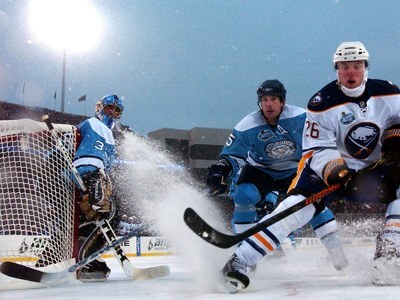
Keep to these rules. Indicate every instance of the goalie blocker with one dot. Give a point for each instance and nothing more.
(97, 198)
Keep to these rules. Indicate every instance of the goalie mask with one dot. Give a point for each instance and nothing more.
(109, 110)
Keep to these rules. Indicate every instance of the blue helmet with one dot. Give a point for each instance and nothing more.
(109, 110)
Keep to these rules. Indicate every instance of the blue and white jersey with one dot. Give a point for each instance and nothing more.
(123, 228)
(97, 147)
(276, 150)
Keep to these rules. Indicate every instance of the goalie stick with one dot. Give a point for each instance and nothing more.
(103, 224)
(222, 240)
(23, 272)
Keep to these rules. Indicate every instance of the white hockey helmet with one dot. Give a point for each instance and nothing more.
(351, 51)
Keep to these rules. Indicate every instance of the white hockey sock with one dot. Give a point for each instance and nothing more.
(391, 230)
(267, 240)
(239, 228)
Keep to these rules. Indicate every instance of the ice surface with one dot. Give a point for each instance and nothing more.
(301, 274)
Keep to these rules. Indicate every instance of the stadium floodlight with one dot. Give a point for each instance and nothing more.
(66, 25)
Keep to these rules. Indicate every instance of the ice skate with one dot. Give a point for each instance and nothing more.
(251, 271)
(278, 253)
(97, 270)
(386, 265)
(335, 250)
(235, 273)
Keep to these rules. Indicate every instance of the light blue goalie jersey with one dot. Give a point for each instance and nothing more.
(97, 146)
(274, 150)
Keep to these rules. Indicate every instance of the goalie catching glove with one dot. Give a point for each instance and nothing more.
(97, 198)
(216, 178)
(336, 171)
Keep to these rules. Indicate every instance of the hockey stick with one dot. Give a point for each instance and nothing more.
(104, 226)
(23, 272)
(64, 152)
(222, 240)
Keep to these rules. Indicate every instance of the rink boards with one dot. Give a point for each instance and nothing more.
(157, 246)
(31, 246)
(145, 246)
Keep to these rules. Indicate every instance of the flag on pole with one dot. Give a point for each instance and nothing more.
(23, 93)
(55, 100)
(82, 98)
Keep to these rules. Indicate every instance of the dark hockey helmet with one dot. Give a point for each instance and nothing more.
(271, 88)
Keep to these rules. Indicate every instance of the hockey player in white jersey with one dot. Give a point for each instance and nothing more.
(352, 136)
(265, 147)
(94, 159)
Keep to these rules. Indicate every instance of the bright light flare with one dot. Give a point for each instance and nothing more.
(73, 25)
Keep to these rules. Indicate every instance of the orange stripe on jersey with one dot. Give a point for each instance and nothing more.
(264, 241)
(393, 224)
(300, 169)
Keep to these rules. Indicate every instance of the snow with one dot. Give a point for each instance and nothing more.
(163, 195)
(305, 273)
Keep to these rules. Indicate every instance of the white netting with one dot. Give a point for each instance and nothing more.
(36, 194)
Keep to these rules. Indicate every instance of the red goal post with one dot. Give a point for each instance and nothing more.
(37, 195)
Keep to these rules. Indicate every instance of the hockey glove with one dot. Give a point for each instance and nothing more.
(267, 205)
(97, 199)
(216, 178)
(390, 145)
(336, 171)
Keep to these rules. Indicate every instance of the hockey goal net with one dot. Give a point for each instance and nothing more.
(37, 195)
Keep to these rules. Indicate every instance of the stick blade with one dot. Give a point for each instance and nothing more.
(23, 272)
(206, 232)
(15, 270)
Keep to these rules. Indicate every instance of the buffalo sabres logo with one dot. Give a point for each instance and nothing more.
(362, 139)
(280, 149)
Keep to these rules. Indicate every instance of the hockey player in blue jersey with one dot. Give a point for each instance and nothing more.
(261, 158)
(94, 159)
(352, 136)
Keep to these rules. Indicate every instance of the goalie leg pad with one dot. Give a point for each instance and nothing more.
(97, 270)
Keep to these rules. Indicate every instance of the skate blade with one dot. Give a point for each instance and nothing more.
(93, 277)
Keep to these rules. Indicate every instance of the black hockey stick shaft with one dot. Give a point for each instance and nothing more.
(222, 240)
